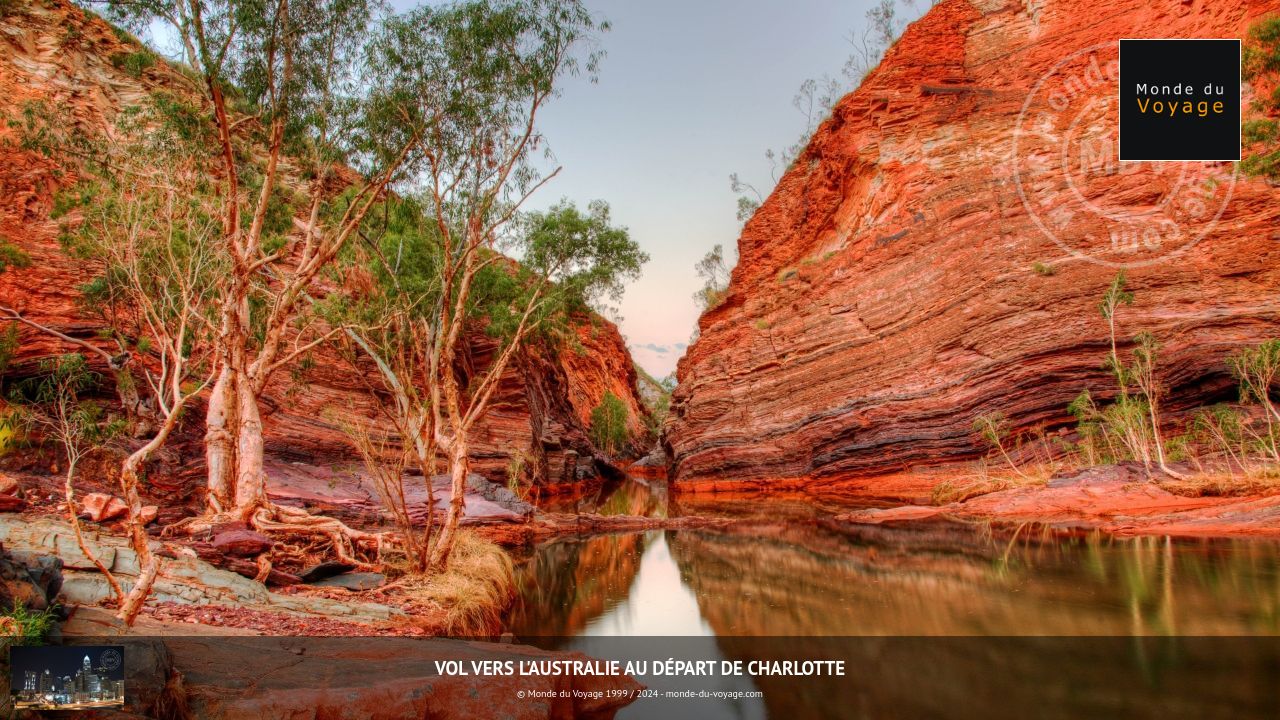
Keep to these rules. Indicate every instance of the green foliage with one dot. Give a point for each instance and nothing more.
(714, 272)
(8, 346)
(1115, 296)
(656, 395)
(1262, 57)
(993, 427)
(583, 255)
(23, 626)
(1260, 130)
(1262, 49)
(1044, 269)
(1221, 428)
(135, 63)
(68, 374)
(609, 424)
(12, 256)
(1257, 369)
(55, 399)
(184, 122)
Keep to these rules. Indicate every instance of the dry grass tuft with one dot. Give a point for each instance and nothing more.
(984, 482)
(1259, 480)
(472, 594)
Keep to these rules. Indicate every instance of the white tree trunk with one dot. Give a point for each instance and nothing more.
(251, 488)
(459, 468)
(220, 442)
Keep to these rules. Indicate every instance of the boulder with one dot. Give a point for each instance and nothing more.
(101, 507)
(29, 579)
(11, 503)
(8, 485)
(149, 514)
(241, 543)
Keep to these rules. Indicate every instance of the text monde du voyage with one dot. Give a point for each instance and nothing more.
(1180, 99)
(670, 666)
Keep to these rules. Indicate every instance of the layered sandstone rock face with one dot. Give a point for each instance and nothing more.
(939, 250)
(52, 52)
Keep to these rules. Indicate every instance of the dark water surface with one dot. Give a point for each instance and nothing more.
(790, 578)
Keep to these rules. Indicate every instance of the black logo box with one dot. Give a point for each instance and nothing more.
(1186, 64)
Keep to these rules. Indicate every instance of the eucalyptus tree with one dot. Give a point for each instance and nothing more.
(477, 76)
(283, 84)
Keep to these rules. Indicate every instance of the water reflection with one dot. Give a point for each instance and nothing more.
(628, 496)
(790, 573)
(783, 585)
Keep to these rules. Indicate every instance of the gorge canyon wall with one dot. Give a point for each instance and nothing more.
(939, 249)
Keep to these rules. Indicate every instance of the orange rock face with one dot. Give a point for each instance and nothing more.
(939, 250)
(52, 52)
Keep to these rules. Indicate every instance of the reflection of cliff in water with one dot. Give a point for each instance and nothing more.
(782, 595)
(568, 583)
(624, 496)
(953, 580)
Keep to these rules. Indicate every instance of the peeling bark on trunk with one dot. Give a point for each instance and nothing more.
(459, 468)
(251, 489)
(148, 563)
(220, 443)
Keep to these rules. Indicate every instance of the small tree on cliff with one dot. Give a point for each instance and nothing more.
(714, 272)
(609, 423)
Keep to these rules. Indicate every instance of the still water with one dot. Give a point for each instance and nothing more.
(788, 574)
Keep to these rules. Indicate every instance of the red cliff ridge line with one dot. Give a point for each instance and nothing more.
(544, 405)
(885, 293)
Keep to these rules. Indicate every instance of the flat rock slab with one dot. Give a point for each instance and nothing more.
(182, 579)
(354, 581)
(312, 484)
(876, 516)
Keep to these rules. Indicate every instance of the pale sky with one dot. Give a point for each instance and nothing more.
(689, 92)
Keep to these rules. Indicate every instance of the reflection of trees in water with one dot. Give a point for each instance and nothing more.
(811, 581)
(567, 584)
(802, 584)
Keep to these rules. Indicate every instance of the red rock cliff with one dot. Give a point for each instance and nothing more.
(53, 52)
(924, 262)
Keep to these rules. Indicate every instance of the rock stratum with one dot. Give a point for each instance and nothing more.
(55, 53)
(939, 249)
